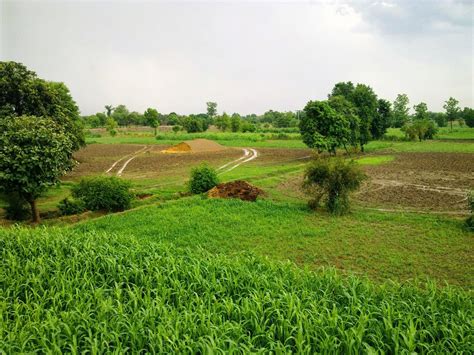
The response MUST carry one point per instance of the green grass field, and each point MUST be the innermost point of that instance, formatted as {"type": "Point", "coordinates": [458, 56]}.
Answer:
{"type": "Point", "coordinates": [64, 291]}
{"type": "Point", "coordinates": [292, 140]}
{"type": "Point", "coordinates": [378, 244]}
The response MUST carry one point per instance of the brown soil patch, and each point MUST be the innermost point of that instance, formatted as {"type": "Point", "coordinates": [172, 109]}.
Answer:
{"type": "Point", "coordinates": [236, 189]}
{"type": "Point", "coordinates": [436, 182]}
{"type": "Point", "coordinates": [96, 158]}
{"type": "Point", "coordinates": [195, 146]}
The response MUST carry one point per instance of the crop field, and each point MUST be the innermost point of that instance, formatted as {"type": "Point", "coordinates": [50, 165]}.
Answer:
{"type": "Point", "coordinates": [179, 273]}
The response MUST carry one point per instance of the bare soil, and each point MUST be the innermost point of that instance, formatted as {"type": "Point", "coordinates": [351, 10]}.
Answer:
{"type": "Point", "coordinates": [427, 182]}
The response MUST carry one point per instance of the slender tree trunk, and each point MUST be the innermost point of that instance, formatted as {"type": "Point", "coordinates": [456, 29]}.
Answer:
{"type": "Point", "coordinates": [34, 211]}
{"type": "Point", "coordinates": [451, 125]}
{"type": "Point", "coordinates": [155, 131]}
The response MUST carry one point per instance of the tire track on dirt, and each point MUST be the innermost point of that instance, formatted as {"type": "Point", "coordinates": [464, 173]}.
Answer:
{"type": "Point", "coordinates": [253, 155]}
{"type": "Point", "coordinates": [124, 157]}
{"type": "Point", "coordinates": [246, 154]}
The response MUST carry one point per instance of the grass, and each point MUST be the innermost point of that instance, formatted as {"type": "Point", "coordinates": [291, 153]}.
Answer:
{"type": "Point", "coordinates": [375, 160]}
{"type": "Point", "coordinates": [381, 245]}
{"type": "Point", "coordinates": [68, 291]}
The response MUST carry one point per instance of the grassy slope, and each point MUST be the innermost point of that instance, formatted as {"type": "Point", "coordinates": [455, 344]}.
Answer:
{"type": "Point", "coordinates": [381, 245]}
{"type": "Point", "coordinates": [64, 291]}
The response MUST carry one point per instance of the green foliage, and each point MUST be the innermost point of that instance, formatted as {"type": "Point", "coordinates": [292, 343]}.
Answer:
{"type": "Point", "coordinates": [331, 180]}
{"type": "Point", "coordinates": [467, 115]}
{"type": "Point", "coordinates": [211, 109]}
{"type": "Point", "coordinates": [439, 118]}
{"type": "Point", "coordinates": [452, 110]}
{"type": "Point", "coordinates": [235, 123]}
{"type": "Point", "coordinates": [17, 208]}
{"type": "Point", "coordinates": [66, 291]}
{"type": "Point", "coordinates": [400, 111]}
{"type": "Point", "coordinates": [420, 129]}
{"type": "Point", "coordinates": [104, 193]}
{"type": "Point", "coordinates": [421, 112]}
{"type": "Point", "coordinates": [470, 206]}
{"type": "Point", "coordinates": [323, 128]}
{"type": "Point", "coordinates": [382, 119]}
{"type": "Point", "coordinates": [151, 117]}
{"type": "Point", "coordinates": [176, 128]}
{"type": "Point", "coordinates": [223, 122]}
{"type": "Point", "coordinates": [34, 153]}
{"type": "Point", "coordinates": [22, 93]}
{"type": "Point", "coordinates": [345, 108]}
{"type": "Point", "coordinates": [203, 178]}
{"type": "Point", "coordinates": [196, 123]}
{"type": "Point", "coordinates": [110, 125]}
{"type": "Point", "coordinates": [69, 206]}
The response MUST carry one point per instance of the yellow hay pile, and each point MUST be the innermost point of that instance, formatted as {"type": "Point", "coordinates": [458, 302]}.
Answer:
{"type": "Point", "coordinates": [195, 146]}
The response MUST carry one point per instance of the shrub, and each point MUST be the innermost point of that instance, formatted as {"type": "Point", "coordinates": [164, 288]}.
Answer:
{"type": "Point", "coordinates": [69, 206]}
{"type": "Point", "coordinates": [331, 180]}
{"type": "Point", "coordinates": [470, 205]}
{"type": "Point", "coordinates": [17, 208]}
{"type": "Point", "coordinates": [203, 178]}
{"type": "Point", "coordinates": [104, 193]}
{"type": "Point", "coordinates": [420, 129]}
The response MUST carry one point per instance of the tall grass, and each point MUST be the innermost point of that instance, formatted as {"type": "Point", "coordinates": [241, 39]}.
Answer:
{"type": "Point", "coordinates": [65, 291]}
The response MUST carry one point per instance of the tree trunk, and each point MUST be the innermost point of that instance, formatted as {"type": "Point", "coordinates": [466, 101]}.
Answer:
{"type": "Point", "coordinates": [34, 211]}
{"type": "Point", "coordinates": [451, 125]}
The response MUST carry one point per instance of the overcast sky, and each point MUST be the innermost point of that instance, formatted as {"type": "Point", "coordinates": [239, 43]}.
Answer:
{"type": "Point", "coordinates": [248, 56]}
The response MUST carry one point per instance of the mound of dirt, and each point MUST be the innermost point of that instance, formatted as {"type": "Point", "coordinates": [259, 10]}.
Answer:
{"type": "Point", "coordinates": [195, 146]}
{"type": "Point", "coordinates": [236, 189]}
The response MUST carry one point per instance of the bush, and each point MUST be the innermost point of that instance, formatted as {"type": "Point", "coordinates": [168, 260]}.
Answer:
{"type": "Point", "coordinates": [69, 206]}
{"type": "Point", "coordinates": [104, 193]}
{"type": "Point", "coordinates": [17, 208]}
{"type": "Point", "coordinates": [203, 178]}
{"type": "Point", "coordinates": [420, 129]}
{"type": "Point", "coordinates": [331, 180]}
{"type": "Point", "coordinates": [470, 205]}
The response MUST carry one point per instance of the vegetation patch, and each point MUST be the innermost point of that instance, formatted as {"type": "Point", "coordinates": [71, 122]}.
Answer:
{"type": "Point", "coordinates": [66, 291]}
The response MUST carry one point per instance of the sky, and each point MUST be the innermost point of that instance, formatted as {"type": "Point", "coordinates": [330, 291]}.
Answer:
{"type": "Point", "coordinates": [248, 56]}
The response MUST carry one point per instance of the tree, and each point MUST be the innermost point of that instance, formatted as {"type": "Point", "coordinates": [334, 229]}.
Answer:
{"type": "Point", "coordinates": [421, 112]}
{"type": "Point", "coordinates": [382, 119]}
{"type": "Point", "coordinates": [152, 118]}
{"type": "Point", "coordinates": [438, 117]}
{"type": "Point", "coordinates": [365, 102]}
{"type": "Point", "coordinates": [223, 122]}
{"type": "Point", "coordinates": [323, 128]}
{"type": "Point", "coordinates": [120, 115]}
{"type": "Point", "coordinates": [34, 153]}
{"type": "Point", "coordinates": [211, 109]}
{"type": "Point", "coordinates": [420, 129]}
{"type": "Point", "coordinates": [468, 116]}
{"type": "Point", "coordinates": [235, 122]}
{"type": "Point", "coordinates": [400, 111]}
{"type": "Point", "coordinates": [193, 125]}
{"type": "Point", "coordinates": [344, 89]}
{"type": "Point", "coordinates": [109, 109]}
{"type": "Point", "coordinates": [23, 93]}
{"type": "Point", "coordinates": [345, 108]}
{"type": "Point", "coordinates": [452, 110]}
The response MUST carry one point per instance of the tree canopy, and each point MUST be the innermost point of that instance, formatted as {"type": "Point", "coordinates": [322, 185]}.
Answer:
{"type": "Point", "coordinates": [23, 93]}
{"type": "Point", "coordinates": [34, 153]}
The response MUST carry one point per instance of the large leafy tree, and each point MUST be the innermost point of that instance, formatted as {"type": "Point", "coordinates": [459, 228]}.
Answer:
{"type": "Point", "coordinates": [452, 110]}
{"type": "Point", "coordinates": [365, 101]}
{"type": "Point", "coordinates": [121, 115]}
{"type": "Point", "coordinates": [23, 93]}
{"type": "Point", "coordinates": [344, 107]}
{"type": "Point", "coordinates": [421, 112]}
{"type": "Point", "coordinates": [400, 111]}
{"type": "Point", "coordinates": [323, 128]}
{"type": "Point", "coordinates": [382, 119]}
{"type": "Point", "coordinates": [152, 118]}
{"type": "Point", "coordinates": [34, 153]}
{"type": "Point", "coordinates": [344, 89]}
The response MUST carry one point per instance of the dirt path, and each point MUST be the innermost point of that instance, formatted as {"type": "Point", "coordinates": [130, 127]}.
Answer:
{"type": "Point", "coordinates": [130, 156]}
{"type": "Point", "coordinates": [249, 154]}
